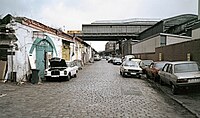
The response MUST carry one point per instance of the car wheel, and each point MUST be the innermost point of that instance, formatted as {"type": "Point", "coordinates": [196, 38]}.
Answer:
{"type": "Point", "coordinates": [139, 76]}
{"type": "Point", "coordinates": [161, 82]}
{"type": "Point", "coordinates": [75, 75]}
{"type": "Point", "coordinates": [123, 75]}
{"type": "Point", "coordinates": [157, 78]}
{"type": "Point", "coordinates": [148, 77]}
{"type": "Point", "coordinates": [47, 78]}
{"type": "Point", "coordinates": [174, 89]}
{"type": "Point", "coordinates": [68, 77]}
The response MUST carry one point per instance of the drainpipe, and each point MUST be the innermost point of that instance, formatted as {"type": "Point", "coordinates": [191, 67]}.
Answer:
{"type": "Point", "coordinates": [12, 66]}
{"type": "Point", "coordinates": [198, 9]}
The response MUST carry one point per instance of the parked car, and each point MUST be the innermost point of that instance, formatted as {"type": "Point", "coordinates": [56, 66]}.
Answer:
{"type": "Point", "coordinates": [59, 69]}
{"type": "Point", "coordinates": [78, 63]}
{"type": "Point", "coordinates": [97, 57]}
{"type": "Point", "coordinates": [152, 70]}
{"type": "Point", "coordinates": [127, 57]}
{"type": "Point", "coordinates": [144, 64]}
{"type": "Point", "coordinates": [130, 68]}
{"type": "Point", "coordinates": [180, 74]}
{"type": "Point", "coordinates": [117, 61]}
{"type": "Point", "coordinates": [139, 61]}
{"type": "Point", "coordinates": [110, 60]}
{"type": "Point", "coordinates": [107, 57]}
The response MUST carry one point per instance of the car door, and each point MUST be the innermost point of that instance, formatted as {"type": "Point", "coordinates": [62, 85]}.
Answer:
{"type": "Point", "coordinates": [168, 74]}
{"type": "Point", "coordinates": [163, 73]}
{"type": "Point", "coordinates": [73, 71]}
{"type": "Point", "coordinates": [172, 76]}
{"type": "Point", "coordinates": [122, 67]}
{"type": "Point", "coordinates": [149, 70]}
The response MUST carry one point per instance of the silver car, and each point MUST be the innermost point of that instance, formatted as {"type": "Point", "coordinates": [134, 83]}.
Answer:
{"type": "Point", "coordinates": [180, 74]}
{"type": "Point", "coordinates": [130, 68]}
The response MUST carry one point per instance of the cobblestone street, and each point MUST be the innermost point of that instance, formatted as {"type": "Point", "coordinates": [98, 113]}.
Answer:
{"type": "Point", "coordinates": [98, 92]}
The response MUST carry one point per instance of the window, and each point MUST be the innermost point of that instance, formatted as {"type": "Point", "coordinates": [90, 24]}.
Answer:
{"type": "Point", "coordinates": [186, 67]}
{"type": "Point", "coordinates": [165, 68]}
{"type": "Point", "coordinates": [162, 40]}
{"type": "Point", "coordinates": [169, 69]}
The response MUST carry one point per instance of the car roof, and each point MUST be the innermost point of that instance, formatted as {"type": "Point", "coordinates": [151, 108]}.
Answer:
{"type": "Point", "coordinates": [135, 59]}
{"type": "Point", "coordinates": [181, 62]}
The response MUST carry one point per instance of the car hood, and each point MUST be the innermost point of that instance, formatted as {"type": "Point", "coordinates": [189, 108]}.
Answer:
{"type": "Point", "coordinates": [188, 75]}
{"type": "Point", "coordinates": [57, 62]}
{"type": "Point", "coordinates": [132, 68]}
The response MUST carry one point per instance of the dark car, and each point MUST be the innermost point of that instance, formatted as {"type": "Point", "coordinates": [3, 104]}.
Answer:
{"type": "Point", "coordinates": [145, 64]}
{"type": "Point", "coordinates": [152, 71]}
{"type": "Point", "coordinates": [110, 60]}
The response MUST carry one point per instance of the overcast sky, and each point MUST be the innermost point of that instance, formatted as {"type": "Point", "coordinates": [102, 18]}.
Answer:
{"type": "Point", "coordinates": [71, 14]}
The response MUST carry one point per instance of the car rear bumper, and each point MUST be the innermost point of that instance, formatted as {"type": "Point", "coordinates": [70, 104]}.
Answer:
{"type": "Point", "coordinates": [188, 84]}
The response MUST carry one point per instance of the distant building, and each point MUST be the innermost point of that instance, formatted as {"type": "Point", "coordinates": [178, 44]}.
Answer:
{"type": "Point", "coordinates": [166, 32]}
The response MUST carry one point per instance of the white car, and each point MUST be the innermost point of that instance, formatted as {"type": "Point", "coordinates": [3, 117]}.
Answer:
{"type": "Point", "coordinates": [130, 68]}
{"type": "Point", "coordinates": [97, 57]}
{"type": "Point", "coordinates": [60, 69]}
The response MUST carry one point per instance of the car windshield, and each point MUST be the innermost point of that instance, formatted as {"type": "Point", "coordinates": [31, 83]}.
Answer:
{"type": "Point", "coordinates": [117, 59]}
{"type": "Point", "coordinates": [186, 67]}
{"type": "Point", "coordinates": [159, 65]}
{"type": "Point", "coordinates": [131, 63]}
{"type": "Point", "coordinates": [147, 62]}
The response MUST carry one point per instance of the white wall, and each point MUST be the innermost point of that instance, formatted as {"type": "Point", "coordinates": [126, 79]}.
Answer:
{"type": "Point", "coordinates": [146, 46]}
{"type": "Point", "coordinates": [173, 39]}
{"type": "Point", "coordinates": [196, 33]}
{"type": "Point", "coordinates": [25, 40]}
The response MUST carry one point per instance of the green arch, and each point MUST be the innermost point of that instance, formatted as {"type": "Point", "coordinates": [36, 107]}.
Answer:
{"type": "Point", "coordinates": [37, 40]}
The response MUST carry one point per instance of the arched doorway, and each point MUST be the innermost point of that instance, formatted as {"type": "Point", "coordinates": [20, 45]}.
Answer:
{"type": "Point", "coordinates": [43, 48]}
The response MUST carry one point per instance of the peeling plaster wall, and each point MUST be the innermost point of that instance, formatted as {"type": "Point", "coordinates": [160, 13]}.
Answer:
{"type": "Point", "coordinates": [25, 38]}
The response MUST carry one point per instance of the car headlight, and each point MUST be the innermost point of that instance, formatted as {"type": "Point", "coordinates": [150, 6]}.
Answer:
{"type": "Point", "coordinates": [65, 72]}
{"type": "Point", "coordinates": [182, 80]}
{"type": "Point", "coordinates": [125, 69]}
{"type": "Point", "coordinates": [45, 72]}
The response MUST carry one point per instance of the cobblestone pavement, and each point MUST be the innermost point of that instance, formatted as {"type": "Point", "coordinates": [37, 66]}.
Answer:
{"type": "Point", "coordinates": [98, 92]}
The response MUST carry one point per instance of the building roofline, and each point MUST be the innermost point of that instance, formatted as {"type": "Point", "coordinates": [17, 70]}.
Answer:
{"type": "Point", "coordinates": [36, 25]}
{"type": "Point", "coordinates": [163, 34]}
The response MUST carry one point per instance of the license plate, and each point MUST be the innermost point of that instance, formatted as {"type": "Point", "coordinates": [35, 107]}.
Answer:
{"type": "Point", "coordinates": [133, 73]}
{"type": "Point", "coordinates": [55, 76]}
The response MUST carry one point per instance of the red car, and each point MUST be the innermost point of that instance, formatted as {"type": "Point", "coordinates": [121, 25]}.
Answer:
{"type": "Point", "coordinates": [152, 71]}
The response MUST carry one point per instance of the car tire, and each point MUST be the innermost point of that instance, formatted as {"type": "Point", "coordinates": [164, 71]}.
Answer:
{"type": "Point", "coordinates": [139, 76]}
{"type": "Point", "coordinates": [161, 82]}
{"type": "Point", "coordinates": [75, 75]}
{"type": "Point", "coordinates": [123, 75]}
{"type": "Point", "coordinates": [47, 79]}
{"type": "Point", "coordinates": [157, 78]}
{"type": "Point", "coordinates": [68, 77]}
{"type": "Point", "coordinates": [174, 89]}
{"type": "Point", "coordinates": [148, 77]}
